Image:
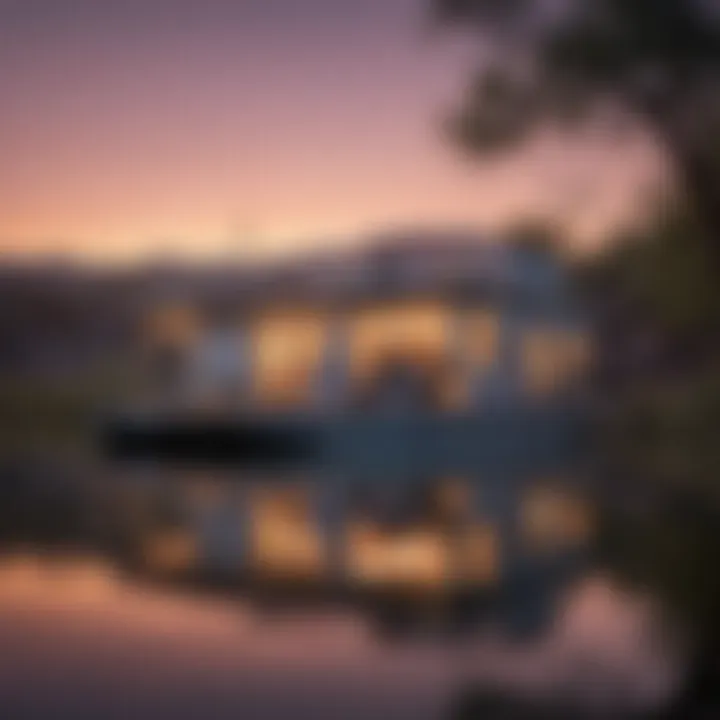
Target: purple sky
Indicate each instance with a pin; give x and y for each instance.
(139, 126)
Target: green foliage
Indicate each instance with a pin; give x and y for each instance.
(673, 554)
(668, 435)
(497, 12)
(643, 53)
(661, 433)
(666, 272)
(499, 111)
(658, 60)
(666, 419)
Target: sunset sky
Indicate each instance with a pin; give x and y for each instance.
(136, 127)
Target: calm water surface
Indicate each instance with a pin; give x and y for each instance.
(79, 641)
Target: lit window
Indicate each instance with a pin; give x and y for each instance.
(288, 349)
(417, 557)
(477, 344)
(286, 540)
(418, 331)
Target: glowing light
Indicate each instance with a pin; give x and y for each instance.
(285, 538)
(288, 348)
(416, 557)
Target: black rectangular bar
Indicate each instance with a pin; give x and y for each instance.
(240, 443)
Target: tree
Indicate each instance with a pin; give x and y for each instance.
(562, 61)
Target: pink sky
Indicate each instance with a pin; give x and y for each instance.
(135, 128)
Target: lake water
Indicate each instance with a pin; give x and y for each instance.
(80, 641)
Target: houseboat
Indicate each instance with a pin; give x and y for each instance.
(402, 421)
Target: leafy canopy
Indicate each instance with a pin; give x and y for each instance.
(558, 59)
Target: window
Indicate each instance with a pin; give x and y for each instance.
(399, 354)
(288, 349)
(285, 536)
(477, 345)
(417, 557)
(422, 556)
(418, 331)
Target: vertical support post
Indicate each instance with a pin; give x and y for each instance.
(332, 380)
(500, 382)
(527, 588)
(463, 368)
(332, 519)
(243, 514)
(245, 363)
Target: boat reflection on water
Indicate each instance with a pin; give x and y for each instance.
(408, 555)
